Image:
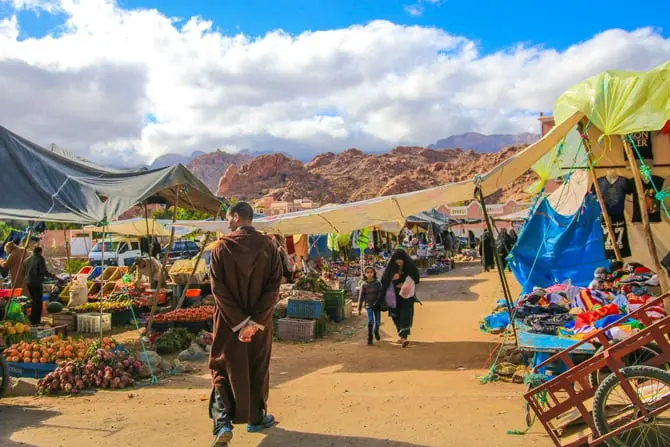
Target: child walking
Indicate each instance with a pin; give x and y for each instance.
(369, 296)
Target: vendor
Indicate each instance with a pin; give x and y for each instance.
(149, 268)
(35, 268)
(13, 261)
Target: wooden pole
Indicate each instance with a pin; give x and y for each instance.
(102, 267)
(195, 266)
(499, 264)
(19, 270)
(67, 254)
(161, 278)
(601, 200)
(637, 178)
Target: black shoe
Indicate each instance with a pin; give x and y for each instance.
(370, 340)
(377, 337)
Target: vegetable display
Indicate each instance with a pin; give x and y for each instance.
(202, 313)
(113, 370)
(14, 332)
(117, 297)
(312, 282)
(103, 306)
(173, 340)
(47, 350)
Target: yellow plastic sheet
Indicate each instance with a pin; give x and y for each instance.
(620, 102)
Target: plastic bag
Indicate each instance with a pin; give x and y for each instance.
(15, 313)
(390, 297)
(78, 293)
(408, 289)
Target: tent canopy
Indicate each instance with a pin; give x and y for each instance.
(41, 184)
(138, 227)
(430, 216)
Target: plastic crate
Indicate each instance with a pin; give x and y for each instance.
(4, 293)
(30, 370)
(64, 320)
(40, 332)
(90, 322)
(94, 290)
(95, 272)
(311, 310)
(334, 298)
(85, 270)
(293, 329)
(335, 314)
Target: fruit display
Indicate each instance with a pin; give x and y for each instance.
(103, 306)
(113, 370)
(13, 333)
(47, 350)
(202, 313)
(54, 307)
(173, 340)
(117, 297)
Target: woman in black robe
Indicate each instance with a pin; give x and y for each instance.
(398, 269)
(486, 251)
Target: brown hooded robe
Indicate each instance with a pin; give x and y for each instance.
(245, 273)
(12, 263)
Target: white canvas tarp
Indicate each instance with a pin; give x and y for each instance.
(138, 227)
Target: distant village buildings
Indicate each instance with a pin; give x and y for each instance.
(269, 207)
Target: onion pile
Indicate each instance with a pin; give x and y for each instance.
(109, 370)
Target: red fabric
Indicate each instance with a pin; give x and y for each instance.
(666, 128)
(590, 317)
(641, 270)
(290, 246)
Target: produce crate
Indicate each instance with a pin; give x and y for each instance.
(63, 319)
(296, 330)
(121, 318)
(194, 327)
(334, 298)
(108, 288)
(311, 310)
(40, 332)
(335, 314)
(4, 293)
(348, 309)
(110, 273)
(30, 370)
(161, 326)
(94, 290)
(90, 322)
(95, 272)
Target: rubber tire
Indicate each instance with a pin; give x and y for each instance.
(610, 382)
(4, 375)
(594, 378)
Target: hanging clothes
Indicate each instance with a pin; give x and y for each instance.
(333, 244)
(290, 246)
(301, 245)
(653, 205)
(642, 141)
(614, 195)
(363, 239)
(620, 235)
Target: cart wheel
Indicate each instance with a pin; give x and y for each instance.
(637, 357)
(4, 375)
(613, 408)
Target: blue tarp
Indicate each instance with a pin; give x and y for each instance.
(553, 248)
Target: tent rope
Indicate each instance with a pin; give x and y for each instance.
(645, 171)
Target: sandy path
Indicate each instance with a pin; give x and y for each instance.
(337, 392)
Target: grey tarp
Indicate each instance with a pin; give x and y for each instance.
(430, 216)
(41, 184)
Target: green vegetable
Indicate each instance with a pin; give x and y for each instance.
(173, 340)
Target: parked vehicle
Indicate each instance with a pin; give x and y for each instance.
(182, 250)
(120, 251)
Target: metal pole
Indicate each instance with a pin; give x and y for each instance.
(499, 265)
(154, 304)
(102, 267)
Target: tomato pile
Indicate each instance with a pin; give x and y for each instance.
(48, 350)
(202, 313)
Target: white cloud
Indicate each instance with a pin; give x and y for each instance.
(90, 86)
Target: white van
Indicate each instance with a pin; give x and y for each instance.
(120, 251)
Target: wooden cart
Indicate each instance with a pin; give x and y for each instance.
(577, 410)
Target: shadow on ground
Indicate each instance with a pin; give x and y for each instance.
(277, 437)
(15, 418)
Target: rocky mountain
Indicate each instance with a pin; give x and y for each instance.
(210, 167)
(484, 143)
(173, 159)
(354, 175)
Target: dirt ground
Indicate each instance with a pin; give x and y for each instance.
(335, 392)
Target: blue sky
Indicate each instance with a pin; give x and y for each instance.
(125, 82)
(494, 24)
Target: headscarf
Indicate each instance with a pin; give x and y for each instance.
(9, 247)
(409, 269)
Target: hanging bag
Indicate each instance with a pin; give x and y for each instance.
(390, 297)
(408, 289)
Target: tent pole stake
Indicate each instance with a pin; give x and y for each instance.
(499, 265)
(601, 200)
(662, 278)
